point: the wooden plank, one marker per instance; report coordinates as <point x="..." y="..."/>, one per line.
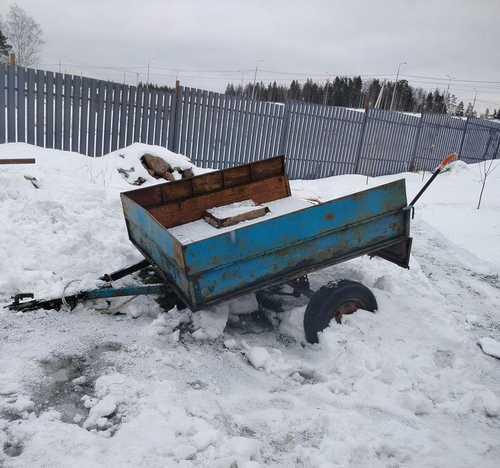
<point x="100" y="92"/>
<point x="131" y="115"/>
<point x="75" y="117"/>
<point x="3" y="75"/>
<point x="21" y="104"/>
<point x="68" y="84"/>
<point x="49" y="110"/>
<point x="122" y="137"/>
<point x="58" y="110"/>
<point x="237" y="175"/>
<point x="85" y="116"/>
<point x="116" y="115"/>
<point x="11" y="104"/>
<point x="208" y="183"/>
<point x="191" y="209"/>
<point x="18" y="161"/>
<point x="40" y="104"/>
<point x="92" y="117"/>
<point x="108" y="111"/>
<point x="252" y="212"/>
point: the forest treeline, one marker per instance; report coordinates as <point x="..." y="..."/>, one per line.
<point x="356" y="93"/>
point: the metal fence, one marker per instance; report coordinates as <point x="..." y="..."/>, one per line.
<point x="94" y="117"/>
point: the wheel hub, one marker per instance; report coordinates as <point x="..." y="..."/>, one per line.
<point x="346" y="308"/>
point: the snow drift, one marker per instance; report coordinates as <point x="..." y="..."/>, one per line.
<point x="408" y="386"/>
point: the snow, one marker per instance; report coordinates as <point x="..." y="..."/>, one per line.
<point x="200" y="229"/>
<point x="233" y="209"/>
<point x="407" y="386"/>
<point x="490" y="346"/>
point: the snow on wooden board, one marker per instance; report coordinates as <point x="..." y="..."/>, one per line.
<point x="233" y="209"/>
<point x="200" y="229"/>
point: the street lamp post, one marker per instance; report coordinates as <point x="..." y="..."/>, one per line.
<point x="395" y="85"/>
<point x="255" y="78"/>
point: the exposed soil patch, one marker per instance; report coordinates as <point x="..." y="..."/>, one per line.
<point x="67" y="378"/>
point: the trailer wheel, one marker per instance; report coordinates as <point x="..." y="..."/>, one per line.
<point x="332" y="302"/>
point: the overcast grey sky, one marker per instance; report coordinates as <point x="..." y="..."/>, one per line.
<point x="208" y="43"/>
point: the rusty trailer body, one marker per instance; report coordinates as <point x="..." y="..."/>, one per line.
<point x="271" y="251"/>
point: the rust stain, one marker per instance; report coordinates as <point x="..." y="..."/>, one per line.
<point x="330" y="217"/>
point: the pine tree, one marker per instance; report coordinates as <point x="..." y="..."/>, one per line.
<point x="5" y="47"/>
<point x="470" y="112"/>
<point x="451" y="104"/>
<point x="429" y="103"/>
<point x="438" y="106"/>
<point x="459" y="112"/>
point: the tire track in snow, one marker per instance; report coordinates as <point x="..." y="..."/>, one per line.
<point x="466" y="282"/>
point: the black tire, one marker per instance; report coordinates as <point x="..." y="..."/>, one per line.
<point x="333" y="301"/>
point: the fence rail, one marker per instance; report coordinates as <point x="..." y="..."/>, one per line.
<point x="94" y="117"/>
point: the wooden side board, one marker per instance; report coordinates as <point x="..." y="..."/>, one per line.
<point x="184" y="201"/>
<point x="206" y="183"/>
<point x="190" y="209"/>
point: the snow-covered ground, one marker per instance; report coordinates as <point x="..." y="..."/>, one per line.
<point x="407" y="386"/>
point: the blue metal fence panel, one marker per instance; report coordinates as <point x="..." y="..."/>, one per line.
<point x="217" y="130"/>
<point x="40" y="111"/>
<point x="84" y="116"/>
<point x="11" y="104"/>
<point x="49" y="110"/>
<point x="21" y="105"/>
<point x="388" y="143"/>
<point x="3" y="75"/>
<point x="124" y="90"/>
<point x="108" y="111"/>
<point x="68" y="84"/>
<point x="480" y="141"/>
<point x="439" y="136"/>
<point x="75" y="114"/>
<point x="58" y="111"/>
<point x="30" y="109"/>
<point x="100" y="90"/>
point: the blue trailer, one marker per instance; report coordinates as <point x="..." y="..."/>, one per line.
<point x="271" y="250"/>
<point x="261" y="253"/>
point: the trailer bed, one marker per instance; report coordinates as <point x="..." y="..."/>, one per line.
<point x="199" y="230"/>
<point x="204" y="264"/>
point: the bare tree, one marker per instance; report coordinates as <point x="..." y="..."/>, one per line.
<point x="485" y="169"/>
<point x="24" y="34"/>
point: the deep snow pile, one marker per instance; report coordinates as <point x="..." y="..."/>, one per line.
<point x="408" y="386"/>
